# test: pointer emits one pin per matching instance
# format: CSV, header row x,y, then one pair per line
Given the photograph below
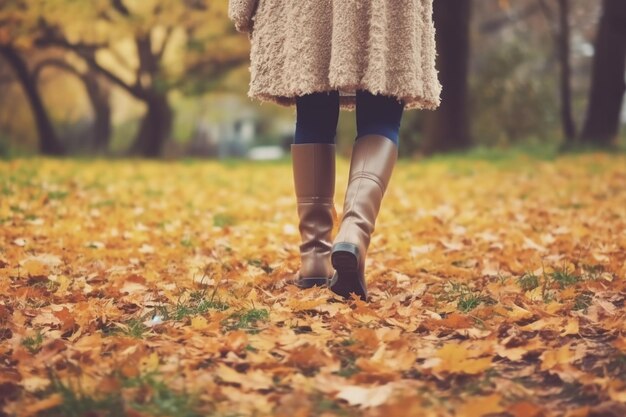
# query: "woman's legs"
x,y
313,161
378,114
317,115
374,155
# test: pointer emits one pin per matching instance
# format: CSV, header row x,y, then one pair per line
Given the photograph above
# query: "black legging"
x,y
317,115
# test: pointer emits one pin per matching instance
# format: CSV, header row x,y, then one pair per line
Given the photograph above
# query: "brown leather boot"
x,y
373,159
314,183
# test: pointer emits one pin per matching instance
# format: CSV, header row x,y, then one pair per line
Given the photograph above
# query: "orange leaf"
x,y
45,404
524,409
481,406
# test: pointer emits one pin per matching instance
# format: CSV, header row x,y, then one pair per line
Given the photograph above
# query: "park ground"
x,y
156,288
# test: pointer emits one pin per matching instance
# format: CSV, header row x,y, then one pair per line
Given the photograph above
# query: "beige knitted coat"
x,y
303,46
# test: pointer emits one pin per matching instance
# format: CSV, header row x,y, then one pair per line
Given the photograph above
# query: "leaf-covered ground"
x,y
160,288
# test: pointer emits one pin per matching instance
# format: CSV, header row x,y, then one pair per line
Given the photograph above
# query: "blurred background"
x,y
168,78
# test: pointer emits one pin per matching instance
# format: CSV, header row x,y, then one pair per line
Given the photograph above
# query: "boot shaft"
x,y
371,166
313,170
314,185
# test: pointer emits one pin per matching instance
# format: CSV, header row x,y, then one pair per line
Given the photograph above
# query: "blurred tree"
x,y
447,128
148,48
607,85
98,92
561,28
528,75
105,29
567,119
18,31
15,35
49,143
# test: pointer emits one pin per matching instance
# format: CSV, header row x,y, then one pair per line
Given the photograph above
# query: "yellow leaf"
x,y
150,362
519,313
199,323
456,358
476,366
571,327
35,268
552,358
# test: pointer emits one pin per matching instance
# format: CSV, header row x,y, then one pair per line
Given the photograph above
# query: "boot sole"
x,y
347,280
305,283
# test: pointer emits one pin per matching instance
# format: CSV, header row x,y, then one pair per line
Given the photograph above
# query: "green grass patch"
x,y
246,319
33,343
326,406
593,271
466,299
57,195
468,302
43,283
500,155
223,220
151,396
528,281
77,403
564,277
347,342
261,264
476,385
197,303
195,307
133,327
348,367
103,203
163,401
583,301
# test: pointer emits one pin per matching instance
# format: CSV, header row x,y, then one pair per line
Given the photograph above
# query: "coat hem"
x,y
347,98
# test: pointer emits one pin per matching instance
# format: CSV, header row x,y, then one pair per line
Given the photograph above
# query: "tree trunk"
x,y
49,143
607,83
156,125
155,128
567,120
99,98
447,128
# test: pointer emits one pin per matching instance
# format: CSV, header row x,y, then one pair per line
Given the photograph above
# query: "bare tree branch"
x,y
86,52
55,62
166,39
120,7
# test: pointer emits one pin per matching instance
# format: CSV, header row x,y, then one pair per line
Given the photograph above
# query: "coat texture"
x,y
305,46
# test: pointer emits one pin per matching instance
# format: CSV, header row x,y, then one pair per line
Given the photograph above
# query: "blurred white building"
x,y
229,132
